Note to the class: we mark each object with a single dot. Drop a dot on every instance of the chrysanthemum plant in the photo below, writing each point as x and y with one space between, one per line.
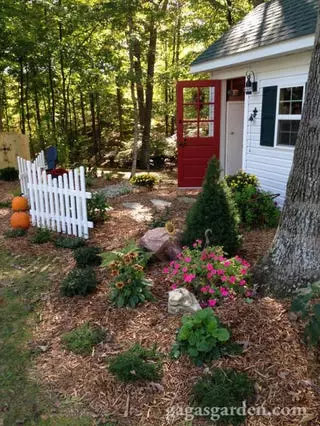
209 274
126 267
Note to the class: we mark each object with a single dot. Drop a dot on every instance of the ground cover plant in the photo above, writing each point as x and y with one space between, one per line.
144 179
41 236
129 285
214 216
223 388
203 338
79 282
69 242
307 305
209 274
87 256
15 233
137 364
82 339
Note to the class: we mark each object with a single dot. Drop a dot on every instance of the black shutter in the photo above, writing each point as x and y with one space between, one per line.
268 119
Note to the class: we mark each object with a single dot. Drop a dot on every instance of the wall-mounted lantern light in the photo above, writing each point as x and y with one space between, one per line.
251 84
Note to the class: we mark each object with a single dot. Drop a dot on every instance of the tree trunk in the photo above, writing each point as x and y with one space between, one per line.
2 101
83 113
93 127
120 109
294 258
64 119
151 57
53 98
22 111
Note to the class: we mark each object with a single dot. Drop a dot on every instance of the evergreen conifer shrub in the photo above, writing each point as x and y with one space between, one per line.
214 217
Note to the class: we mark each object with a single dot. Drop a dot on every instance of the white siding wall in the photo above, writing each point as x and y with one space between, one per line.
271 164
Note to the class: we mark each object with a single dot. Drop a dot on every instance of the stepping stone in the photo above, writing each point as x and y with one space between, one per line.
160 204
139 212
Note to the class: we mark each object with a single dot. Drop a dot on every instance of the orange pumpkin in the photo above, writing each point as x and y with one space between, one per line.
20 220
19 204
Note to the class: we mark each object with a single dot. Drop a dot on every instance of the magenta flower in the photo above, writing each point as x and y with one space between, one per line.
211 290
227 263
166 270
242 282
243 271
220 272
177 266
232 279
187 259
249 293
189 277
224 292
212 302
210 267
224 278
203 289
185 269
174 286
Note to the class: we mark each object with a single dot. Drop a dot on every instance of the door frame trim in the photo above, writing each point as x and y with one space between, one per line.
227 133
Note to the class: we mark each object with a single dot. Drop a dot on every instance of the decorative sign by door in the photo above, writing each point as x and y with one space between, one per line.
198 129
11 145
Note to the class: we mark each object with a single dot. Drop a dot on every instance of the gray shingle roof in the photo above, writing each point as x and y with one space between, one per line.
268 23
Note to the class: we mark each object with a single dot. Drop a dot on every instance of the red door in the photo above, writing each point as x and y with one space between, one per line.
198 129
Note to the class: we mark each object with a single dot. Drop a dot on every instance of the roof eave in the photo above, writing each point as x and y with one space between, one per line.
283 48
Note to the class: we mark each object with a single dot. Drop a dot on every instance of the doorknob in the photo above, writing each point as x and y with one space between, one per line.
231 133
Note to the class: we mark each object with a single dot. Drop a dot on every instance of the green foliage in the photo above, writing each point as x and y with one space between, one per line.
5 204
241 180
213 218
87 256
15 233
137 364
9 174
41 236
129 285
108 177
79 282
161 219
257 208
144 179
203 338
308 306
70 242
224 388
82 339
97 208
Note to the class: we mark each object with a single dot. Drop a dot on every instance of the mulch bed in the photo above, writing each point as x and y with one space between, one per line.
283 368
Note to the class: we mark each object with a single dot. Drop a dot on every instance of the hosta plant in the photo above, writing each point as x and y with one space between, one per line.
129 285
203 338
210 275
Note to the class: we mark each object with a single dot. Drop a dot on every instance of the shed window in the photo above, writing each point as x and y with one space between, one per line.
290 102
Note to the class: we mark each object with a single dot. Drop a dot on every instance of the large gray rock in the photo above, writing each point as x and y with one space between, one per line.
159 242
181 301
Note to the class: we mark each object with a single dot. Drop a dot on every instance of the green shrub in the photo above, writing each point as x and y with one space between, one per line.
87 256
70 242
129 285
223 388
241 180
213 218
5 204
15 233
203 338
137 364
80 281
82 339
308 306
41 236
144 179
9 174
257 208
97 208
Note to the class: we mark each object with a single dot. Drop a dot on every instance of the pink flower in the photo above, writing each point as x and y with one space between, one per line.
232 279
184 269
189 277
220 272
224 278
211 290
166 270
209 267
204 256
177 266
249 293
199 241
172 263
174 272
227 263
203 289
224 292
242 282
243 271
174 286
212 302
203 304
187 259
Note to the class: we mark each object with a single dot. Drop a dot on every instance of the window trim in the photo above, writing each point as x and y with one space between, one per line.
286 116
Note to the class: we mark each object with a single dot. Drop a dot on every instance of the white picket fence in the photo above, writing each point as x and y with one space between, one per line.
39 161
59 204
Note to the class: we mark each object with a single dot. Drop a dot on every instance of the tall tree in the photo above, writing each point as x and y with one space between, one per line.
294 258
